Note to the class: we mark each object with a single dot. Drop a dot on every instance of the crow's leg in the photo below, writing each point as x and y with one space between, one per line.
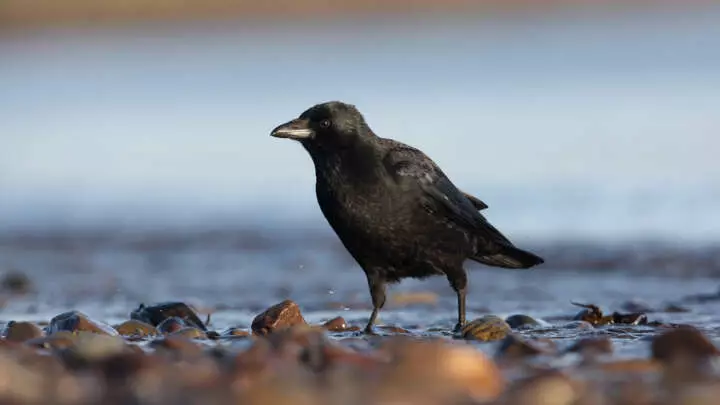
458 281
377 293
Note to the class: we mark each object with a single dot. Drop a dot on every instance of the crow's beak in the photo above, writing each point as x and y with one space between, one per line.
297 129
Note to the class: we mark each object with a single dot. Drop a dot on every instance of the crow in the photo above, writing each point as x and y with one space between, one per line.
397 214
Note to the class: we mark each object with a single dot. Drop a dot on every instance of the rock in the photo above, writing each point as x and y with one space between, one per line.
190 333
413 298
685 343
279 316
22 331
485 329
177 345
521 321
15 282
135 328
157 313
435 371
235 332
58 340
75 321
88 347
551 388
591 346
336 324
170 325
515 347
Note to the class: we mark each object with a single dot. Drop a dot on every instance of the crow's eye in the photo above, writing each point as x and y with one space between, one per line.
325 124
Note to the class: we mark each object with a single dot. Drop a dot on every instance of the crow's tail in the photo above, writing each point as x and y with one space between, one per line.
510 257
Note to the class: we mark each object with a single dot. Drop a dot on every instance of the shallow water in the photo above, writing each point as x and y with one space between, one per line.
108 275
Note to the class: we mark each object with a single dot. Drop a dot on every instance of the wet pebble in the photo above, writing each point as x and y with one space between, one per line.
435 368
157 313
515 347
135 328
58 340
279 316
235 332
521 321
189 333
486 328
75 321
170 325
337 324
550 388
177 344
686 343
88 347
22 331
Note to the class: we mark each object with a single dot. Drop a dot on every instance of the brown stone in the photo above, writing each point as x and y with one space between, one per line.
279 316
189 333
515 347
155 314
177 344
75 321
58 340
685 343
235 332
435 369
336 324
170 325
22 331
136 328
550 388
521 321
486 328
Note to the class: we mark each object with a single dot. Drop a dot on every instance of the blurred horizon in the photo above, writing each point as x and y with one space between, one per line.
568 123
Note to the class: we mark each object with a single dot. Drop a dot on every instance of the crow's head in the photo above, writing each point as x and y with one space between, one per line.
326 128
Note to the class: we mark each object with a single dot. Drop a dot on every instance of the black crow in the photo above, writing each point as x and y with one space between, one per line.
392 207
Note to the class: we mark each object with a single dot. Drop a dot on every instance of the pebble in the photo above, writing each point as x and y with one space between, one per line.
521 321
682 343
135 328
486 328
279 316
514 347
156 313
337 324
22 331
75 321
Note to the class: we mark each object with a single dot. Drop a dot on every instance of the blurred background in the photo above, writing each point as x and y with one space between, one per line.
146 125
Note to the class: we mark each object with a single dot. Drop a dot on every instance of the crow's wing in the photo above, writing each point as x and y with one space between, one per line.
476 202
413 169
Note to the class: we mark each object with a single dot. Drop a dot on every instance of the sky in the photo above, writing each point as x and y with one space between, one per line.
574 121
